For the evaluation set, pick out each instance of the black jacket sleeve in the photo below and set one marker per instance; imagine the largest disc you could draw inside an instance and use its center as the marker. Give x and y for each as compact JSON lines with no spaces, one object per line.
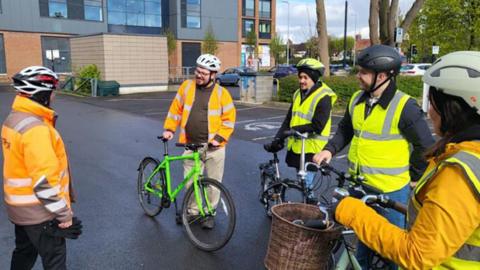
{"x":343,"y":136}
{"x":414,"y":128}
{"x":320,"y":117}
{"x":285,"y":125}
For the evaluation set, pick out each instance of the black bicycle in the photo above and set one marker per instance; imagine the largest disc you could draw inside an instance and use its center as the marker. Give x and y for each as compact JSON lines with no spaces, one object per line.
{"x":276,"y":190}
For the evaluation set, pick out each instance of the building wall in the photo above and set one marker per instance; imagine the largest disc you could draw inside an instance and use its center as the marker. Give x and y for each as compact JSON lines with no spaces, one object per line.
{"x":88,"y":50}
{"x":22,"y":49}
{"x":24,"y":15}
{"x":221,"y":15}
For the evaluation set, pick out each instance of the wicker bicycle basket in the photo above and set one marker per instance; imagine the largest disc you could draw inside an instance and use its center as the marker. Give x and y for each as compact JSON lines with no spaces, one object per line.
{"x":293,"y":246}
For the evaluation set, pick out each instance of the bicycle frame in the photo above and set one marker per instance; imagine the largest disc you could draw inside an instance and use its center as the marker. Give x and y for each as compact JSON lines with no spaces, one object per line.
{"x":193,"y":175}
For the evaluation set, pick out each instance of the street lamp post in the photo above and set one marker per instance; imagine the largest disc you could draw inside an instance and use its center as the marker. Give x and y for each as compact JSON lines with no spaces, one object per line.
{"x":345,"y":37}
{"x":288,"y":30}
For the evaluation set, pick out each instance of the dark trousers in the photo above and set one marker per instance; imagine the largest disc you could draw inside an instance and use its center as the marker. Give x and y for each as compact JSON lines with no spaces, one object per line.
{"x":31,"y":241}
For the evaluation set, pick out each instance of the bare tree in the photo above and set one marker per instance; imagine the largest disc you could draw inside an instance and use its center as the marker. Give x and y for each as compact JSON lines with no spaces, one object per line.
{"x":411,"y":14}
{"x":384,"y":9}
{"x":373,"y":21}
{"x":323,"y":36}
{"x":392,"y":23}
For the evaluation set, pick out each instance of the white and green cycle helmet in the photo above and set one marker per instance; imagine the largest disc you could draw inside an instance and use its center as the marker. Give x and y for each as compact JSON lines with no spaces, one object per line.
{"x":457,"y":74}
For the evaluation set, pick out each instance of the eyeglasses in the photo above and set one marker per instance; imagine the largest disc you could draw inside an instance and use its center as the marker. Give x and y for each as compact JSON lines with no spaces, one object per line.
{"x":197,"y":72}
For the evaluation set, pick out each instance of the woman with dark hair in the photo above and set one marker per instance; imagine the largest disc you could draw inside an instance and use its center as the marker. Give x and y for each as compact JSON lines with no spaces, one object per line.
{"x":443,"y":230}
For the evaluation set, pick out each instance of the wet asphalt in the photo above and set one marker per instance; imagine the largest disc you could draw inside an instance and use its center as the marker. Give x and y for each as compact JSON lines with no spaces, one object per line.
{"x":106,"y":138}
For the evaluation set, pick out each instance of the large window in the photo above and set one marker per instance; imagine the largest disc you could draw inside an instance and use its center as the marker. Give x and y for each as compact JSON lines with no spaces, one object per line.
{"x":264,"y":29}
{"x":3,"y":68}
{"x":56,"y":53}
{"x":191,"y":12}
{"x":57,"y":8}
{"x":135,"y":12}
{"x":248,"y":8}
{"x":248,"y":26}
{"x":93,"y":10}
{"x":265,"y":7}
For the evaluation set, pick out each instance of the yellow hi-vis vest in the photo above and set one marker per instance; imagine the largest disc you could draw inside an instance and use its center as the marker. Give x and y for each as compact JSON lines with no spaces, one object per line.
{"x":468,"y":256}
{"x":378,"y":151}
{"x":302,"y":114}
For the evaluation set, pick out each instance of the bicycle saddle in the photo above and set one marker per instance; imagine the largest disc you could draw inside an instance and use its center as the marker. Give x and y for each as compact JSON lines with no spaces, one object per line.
{"x":191,"y":146}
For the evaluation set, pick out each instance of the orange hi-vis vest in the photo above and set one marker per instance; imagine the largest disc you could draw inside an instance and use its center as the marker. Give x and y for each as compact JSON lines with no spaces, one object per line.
{"x":221,"y":112}
{"x":36,"y":178}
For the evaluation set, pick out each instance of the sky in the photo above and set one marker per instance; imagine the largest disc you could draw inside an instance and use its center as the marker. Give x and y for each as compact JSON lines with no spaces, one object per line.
{"x":303,"y":17}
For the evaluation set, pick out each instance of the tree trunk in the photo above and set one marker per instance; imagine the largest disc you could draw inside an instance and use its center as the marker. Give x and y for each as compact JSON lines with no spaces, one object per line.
{"x":323,"y":36}
{"x":383,"y":15}
{"x":411,"y":14}
{"x":373,"y":21}
{"x":392,"y":22}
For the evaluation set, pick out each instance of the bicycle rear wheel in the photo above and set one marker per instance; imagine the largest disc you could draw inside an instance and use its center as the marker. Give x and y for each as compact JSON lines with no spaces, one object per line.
{"x":215,"y":229}
{"x":150,"y":187}
{"x":271,"y":193}
{"x":292,"y":192}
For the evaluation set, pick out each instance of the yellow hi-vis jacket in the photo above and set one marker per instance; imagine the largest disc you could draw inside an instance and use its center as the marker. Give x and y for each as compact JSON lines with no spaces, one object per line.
{"x":378,"y":151}
{"x":303,"y":113}
{"x":444,"y":216}
{"x":35,"y":173}
{"x":221,"y":112}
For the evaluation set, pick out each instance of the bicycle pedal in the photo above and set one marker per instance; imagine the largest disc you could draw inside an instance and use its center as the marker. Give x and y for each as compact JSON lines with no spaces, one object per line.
{"x":166,"y":203}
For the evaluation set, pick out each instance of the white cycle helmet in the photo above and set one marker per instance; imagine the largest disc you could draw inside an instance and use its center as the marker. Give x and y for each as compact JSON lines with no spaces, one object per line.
{"x":457,"y":74}
{"x":210,"y":62}
{"x":34,"y":79}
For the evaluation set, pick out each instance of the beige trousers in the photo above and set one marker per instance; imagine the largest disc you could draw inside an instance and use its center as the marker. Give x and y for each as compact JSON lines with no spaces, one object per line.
{"x":212,"y":162}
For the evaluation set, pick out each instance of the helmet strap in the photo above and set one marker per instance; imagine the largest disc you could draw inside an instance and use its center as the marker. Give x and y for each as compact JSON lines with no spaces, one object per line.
{"x":373,"y":88}
{"x":42,"y":98}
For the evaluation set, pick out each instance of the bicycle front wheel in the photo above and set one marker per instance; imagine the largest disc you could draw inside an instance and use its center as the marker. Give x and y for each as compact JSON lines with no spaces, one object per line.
{"x":213,"y":230}
{"x":150,"y":186}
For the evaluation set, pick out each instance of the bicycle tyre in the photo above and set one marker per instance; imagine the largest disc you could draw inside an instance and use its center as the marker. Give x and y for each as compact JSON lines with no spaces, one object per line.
{"x":145,"y":196}
{"x":292,"y":185}
{"x":270,"y":195}
{"x":226,"y":203}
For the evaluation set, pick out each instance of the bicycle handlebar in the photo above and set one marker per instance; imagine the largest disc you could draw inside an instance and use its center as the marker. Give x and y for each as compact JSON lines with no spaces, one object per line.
{"x":294,"y":133}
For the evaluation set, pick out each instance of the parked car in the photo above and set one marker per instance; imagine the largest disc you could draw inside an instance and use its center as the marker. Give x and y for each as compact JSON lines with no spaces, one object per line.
{"x":414,"y":69}
{"x":338,"y":70}
{"x":283,"y":71}
{"x":231,"y":76}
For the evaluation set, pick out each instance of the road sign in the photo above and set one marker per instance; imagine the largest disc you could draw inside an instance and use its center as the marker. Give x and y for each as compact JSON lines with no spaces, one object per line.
{"x":435,"y":49}
{"x":398,"y":35}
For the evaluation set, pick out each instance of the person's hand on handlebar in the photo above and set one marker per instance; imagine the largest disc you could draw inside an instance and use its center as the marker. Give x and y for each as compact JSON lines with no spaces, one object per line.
{"x":324,"y":156}
{"x":274,"y":146}
{"x":167,"y":134}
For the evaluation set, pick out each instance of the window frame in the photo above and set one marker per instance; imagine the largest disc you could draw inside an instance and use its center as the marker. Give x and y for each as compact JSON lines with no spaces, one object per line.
{"x":3,"y":55}
{"x":261,"y":12}
{"x":184,"y":13}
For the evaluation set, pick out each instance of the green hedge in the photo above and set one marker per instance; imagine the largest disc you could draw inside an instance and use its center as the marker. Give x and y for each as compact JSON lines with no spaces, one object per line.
{"x":345,"y":86}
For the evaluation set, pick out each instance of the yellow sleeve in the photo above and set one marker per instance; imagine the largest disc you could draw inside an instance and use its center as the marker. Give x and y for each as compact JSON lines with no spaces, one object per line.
{"x":228,"y":116}
{"x":43,"y":167}
{"x":174,"y":115}
{"x":450,"y":214}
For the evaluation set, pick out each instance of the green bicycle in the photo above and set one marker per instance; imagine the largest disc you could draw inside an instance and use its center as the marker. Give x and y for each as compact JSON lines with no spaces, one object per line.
{"x":208,"y":211}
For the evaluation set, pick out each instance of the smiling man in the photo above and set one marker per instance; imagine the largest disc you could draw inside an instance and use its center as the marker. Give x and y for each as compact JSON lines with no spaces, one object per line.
{"x":206,"y":115}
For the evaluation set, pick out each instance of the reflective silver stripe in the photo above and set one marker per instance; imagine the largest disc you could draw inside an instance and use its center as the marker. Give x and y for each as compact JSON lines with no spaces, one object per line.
{"x":186,"y":90}
{"x":214,"y":112}
{"x":219,"y":92}
{"x":387,"y":124}
{"x":354,"y":102}
{"x":25,"y":122}
{"x":21,"y":199}
{"x":175,"y":117}
{"x":179,"y":98}
{"x":377,"y":137}
{"x":40,"y":181}
{"x":468,"y":252}
{"x":66,"y":188}
{"x":228,"y":124}
{"x":389,"y":171}
{"x":54,"y":207}
{"x":228,"y":107}
{"x":18,"y":182}
{"x":211,"y":136}
{"x":63,"y":173}
{"x":187,"y":107}
{"x":319,"y":137}
{"x":307,"y":117}
{"x":47,"y":193}
{"x":474,"y":165}
{"x":317,"y":97}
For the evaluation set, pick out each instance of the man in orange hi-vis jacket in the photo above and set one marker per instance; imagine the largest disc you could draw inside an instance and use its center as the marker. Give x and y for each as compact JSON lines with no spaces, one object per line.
{"x":36,"y":184}
{"x":206,"y":115}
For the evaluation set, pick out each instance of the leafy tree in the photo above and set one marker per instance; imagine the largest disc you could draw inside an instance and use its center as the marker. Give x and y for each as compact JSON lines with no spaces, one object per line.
{"x":251,"y":41}
{"x":277,"y":47}
{"x":171,"y":42}
{"x":210,"y":43}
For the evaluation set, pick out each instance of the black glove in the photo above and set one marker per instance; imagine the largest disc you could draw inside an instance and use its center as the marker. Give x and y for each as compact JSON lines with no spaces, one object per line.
{"x":275,"y":146}
{"x":72,"y":232}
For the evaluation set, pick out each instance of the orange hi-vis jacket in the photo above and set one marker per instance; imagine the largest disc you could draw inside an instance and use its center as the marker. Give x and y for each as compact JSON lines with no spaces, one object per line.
{"x":221,"y":112}
{"x":36,"y":180}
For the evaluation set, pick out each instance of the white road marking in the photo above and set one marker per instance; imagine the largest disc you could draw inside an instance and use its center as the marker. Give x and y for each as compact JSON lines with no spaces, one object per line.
{"x":262,"y":138}
{"x":253,"y":120}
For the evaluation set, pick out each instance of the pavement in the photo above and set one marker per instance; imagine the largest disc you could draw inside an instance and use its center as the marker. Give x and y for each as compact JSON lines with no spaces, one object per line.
{"x":106,"y":138}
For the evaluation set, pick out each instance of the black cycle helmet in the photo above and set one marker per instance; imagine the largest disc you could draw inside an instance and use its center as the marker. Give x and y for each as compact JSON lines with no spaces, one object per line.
{"x":380,"y":58}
